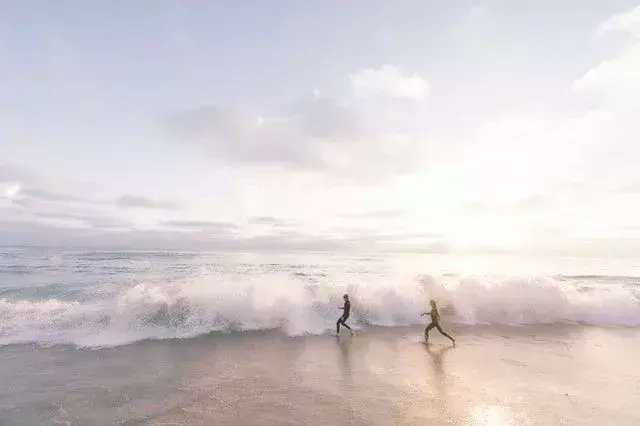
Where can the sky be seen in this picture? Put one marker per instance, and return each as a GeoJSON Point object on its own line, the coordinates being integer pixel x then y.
{"type": "Point", "coordinates": [406, 126]}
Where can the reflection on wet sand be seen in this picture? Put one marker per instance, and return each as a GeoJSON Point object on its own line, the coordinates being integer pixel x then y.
{"type": "Point", "coordinates": [441, 383]}
{"type": "Point", "coordinates": [437, 358]}
{"type": "Point", "coordinates": [345, 358]}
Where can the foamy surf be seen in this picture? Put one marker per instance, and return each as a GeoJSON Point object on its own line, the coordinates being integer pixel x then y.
{"type": "Point", "coordinates": [291, 303]}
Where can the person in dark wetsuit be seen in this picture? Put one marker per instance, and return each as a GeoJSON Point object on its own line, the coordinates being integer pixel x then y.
{"type": "Point", "coordinates": [435, 322]}
{"type": "Point", "coordinates": [345, 316]}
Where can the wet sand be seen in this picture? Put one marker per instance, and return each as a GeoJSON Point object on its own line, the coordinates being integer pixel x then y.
{"type": "Point", "coordinates": [568, 375]}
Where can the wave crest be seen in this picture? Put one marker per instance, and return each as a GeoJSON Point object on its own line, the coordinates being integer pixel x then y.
{"type": "Point", "coordinates": [297, 306]}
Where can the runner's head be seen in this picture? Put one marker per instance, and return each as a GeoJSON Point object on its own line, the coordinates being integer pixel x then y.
{"type": "Point", "coordinates": [432, 303]}
{"type": "Point", "coordinates": [345, 297]}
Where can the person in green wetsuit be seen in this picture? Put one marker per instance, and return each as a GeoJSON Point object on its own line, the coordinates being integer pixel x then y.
{"type": "Point", "coordinates": [435, 322]}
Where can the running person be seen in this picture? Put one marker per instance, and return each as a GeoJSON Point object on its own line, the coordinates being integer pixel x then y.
{"type": "Point", "coordinates": [345, 316]}
{"type": "Point", "coordinates": [435, 322]}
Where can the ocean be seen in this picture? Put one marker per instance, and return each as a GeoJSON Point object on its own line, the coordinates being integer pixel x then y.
{"type": "Point", "coordinates": [141, 337]}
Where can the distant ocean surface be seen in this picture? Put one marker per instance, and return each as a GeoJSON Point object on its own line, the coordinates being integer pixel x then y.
{"type": "Point", "coordinates": [94, 299]}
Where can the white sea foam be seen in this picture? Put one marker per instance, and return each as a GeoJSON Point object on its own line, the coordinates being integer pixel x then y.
{"type": "Point", "coordinates": [283, 301]}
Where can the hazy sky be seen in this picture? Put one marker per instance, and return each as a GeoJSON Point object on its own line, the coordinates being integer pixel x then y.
{"type": "Point", "coordinates": [367, 125]}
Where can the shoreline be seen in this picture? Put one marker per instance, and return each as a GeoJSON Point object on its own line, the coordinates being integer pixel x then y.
{"type": "Point", "coordinates": [470, 329]}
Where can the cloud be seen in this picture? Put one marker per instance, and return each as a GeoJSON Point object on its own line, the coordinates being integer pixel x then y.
{"type": "Point", "coordinates": [246, 139]}
{"type": "Point", "coordinates": [92, 221]}
{"type": "Point", "coordinates": [354, 240]}
{"type": "Point", "coordinates": [626, 22]}
{"type": "Point", "coordinates": [104, 222]}
{"type": "Point", "coordinates": [614, 79]}
{"type": "Point", "coordinates": [391, 82]}
{"type": "Point", "coordinates": [69, 211]}
{"type": "Point", "coordinates": [32, 197]}
{"type": "Point", "coordinates": [23, 186]}
{"type": "Point", "coordinates": [614, 87]}
{"type": "Point", "coordinates": [26, 203]}
{"type": "Point", "coordinates": [21, 233]}
{"type": "Point", "coordinates": [105, 233]}
{"type": "Point", "coordinates": [371, 235]}
{"type": "Point", "coordinates": [144, 202]}
{"type": "Point", "coordinates": [26, 187]}
{"type": "Point", "coordinates": [374, 214]}
{"type": "Point", "coordinates": [359, 139]}
{"type": "Point", "coordinates": [18, 233]}
{"type": "Point", "coordinates": [19, 193]}
{"type": "Point", "coordinates": [267, 220]}
{"type": "Point", "coordinates": [290, 241]}
{"type": "Point", "coordinates": [199, 225]}
{"type": "Point", "coordinates": [528, 204]}
{"type": "Point", "coordinates": [44, 195]}
{"type": "Point", "coordinates": [617, 78]}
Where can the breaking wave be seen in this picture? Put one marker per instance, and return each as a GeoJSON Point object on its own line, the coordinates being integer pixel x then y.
{"type": "Point", "coordinates": [290, 303]}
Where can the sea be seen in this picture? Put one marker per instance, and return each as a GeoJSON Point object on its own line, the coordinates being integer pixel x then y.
{"type": "Point", "coordinates": [96, 336]}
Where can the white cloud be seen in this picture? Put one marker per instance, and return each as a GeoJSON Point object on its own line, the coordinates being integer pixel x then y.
{"type": "Point", "coordinates": [390, 81]}
{"type": "Point", "coordinates": [196, 235]}
{"type": "Point", "coordinates": [614, 88]}
{"type": "Point", "coordinates": [363, 139]}
{"type": "Point", "coordinates": [627, 22]}
{"type": "Point", "coordinates": [95, 220]}
{"type": "Point", "coordinates": [268, 221]}
{"type": "Point", "coordinates": [617, 78]}
{"type": "Point", "coordinates": [200, 225]}
{"type": "Point", "coordinates": [50, 196]}
{"type": "Point", "coordinates": [144, 202]}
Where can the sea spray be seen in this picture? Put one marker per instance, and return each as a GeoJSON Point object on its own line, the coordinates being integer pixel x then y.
{"type": "Point", "coordinates": [296, 305]}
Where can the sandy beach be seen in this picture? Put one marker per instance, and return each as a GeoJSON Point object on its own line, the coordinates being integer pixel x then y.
{"type": "Point", "coordinates": [568, 375]}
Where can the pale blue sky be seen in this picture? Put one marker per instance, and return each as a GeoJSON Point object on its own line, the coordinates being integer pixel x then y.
{"type": "Point", "coordinates": [90, 93]}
